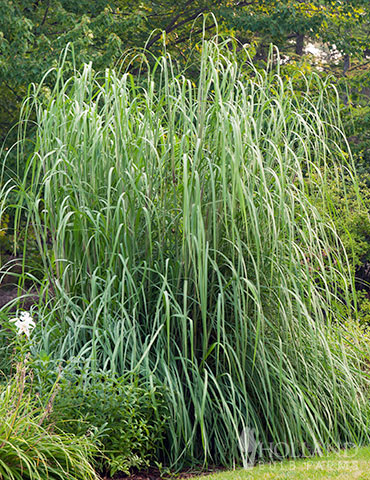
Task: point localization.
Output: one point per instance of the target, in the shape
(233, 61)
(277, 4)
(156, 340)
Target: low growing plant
(127, 420)
(30, 450)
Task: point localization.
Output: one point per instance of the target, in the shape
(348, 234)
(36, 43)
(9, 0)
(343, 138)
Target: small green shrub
(351, 208)
(126, 419)
(356, 115)
(351, 215)
(29, 449)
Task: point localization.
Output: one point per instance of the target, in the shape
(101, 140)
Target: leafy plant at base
(30, 450)
(181, 243)
(126, 420)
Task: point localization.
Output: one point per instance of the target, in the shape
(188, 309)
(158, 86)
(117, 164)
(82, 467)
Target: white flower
(24, 324)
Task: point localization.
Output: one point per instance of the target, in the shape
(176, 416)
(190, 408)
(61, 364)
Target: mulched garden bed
(155, 474)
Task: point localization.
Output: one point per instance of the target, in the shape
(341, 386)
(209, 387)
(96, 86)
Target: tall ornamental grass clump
(180, 243)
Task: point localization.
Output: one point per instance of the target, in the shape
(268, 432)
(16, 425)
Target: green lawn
(345, 465)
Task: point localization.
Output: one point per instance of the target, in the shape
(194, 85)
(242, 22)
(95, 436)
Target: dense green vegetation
(29, 449)
(187, 218)
(181, 246)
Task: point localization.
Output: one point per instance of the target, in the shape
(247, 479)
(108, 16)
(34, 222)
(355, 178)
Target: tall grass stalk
(180, 241)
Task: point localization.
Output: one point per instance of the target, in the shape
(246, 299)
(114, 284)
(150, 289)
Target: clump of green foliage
(350, 211)
(125, 419)
(350, 208)
(30, 450)
(181, 241)
(355, 95)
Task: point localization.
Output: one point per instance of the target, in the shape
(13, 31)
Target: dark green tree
(288, 23)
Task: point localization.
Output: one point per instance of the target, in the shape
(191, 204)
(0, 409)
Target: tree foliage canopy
(34, 33)
(277, 21)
